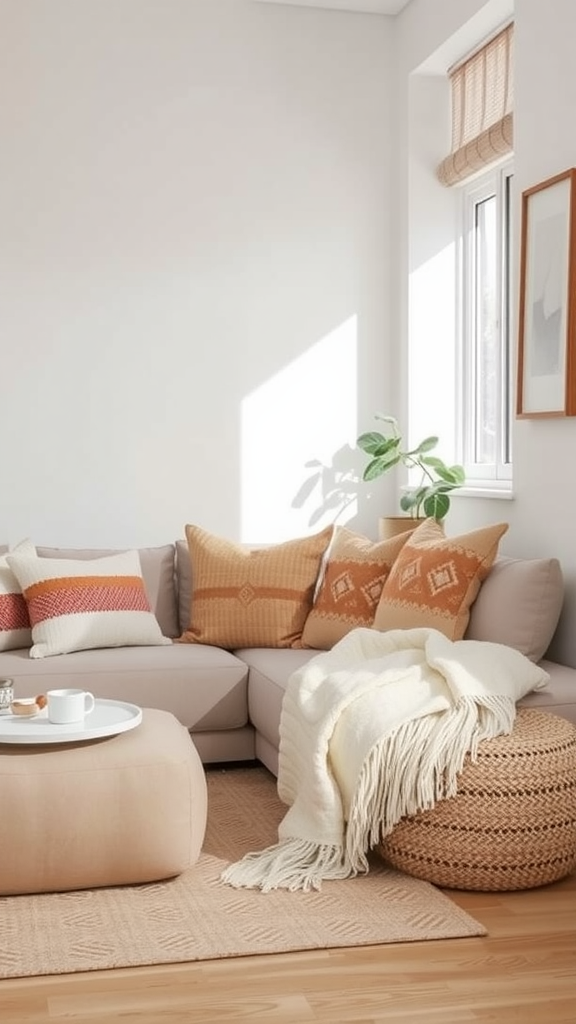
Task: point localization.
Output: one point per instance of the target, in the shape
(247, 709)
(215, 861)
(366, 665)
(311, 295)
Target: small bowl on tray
(26, 707)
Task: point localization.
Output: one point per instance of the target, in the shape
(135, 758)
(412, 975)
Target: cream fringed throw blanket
(375, 729)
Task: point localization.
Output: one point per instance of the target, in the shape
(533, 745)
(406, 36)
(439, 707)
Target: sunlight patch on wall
(298, 433)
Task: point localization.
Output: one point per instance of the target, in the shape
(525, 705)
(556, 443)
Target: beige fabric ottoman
(126, 809)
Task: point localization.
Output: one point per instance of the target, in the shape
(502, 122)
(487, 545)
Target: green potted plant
(428, 498)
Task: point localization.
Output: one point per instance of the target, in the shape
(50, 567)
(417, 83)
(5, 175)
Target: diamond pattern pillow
(244, 597)
(435, 579)
(14, 621)
(355, 573)
(80, 605)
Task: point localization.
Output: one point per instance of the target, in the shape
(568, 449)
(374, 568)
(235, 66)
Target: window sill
(503, 491)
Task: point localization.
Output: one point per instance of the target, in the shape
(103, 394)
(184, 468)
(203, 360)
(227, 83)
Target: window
(485, 393)
(480, 165)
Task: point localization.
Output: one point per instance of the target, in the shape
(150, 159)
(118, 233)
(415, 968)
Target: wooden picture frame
(547, 315)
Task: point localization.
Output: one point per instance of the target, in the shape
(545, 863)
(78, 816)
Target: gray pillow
(519, 605)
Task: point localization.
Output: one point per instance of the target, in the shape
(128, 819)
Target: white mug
(68, 706)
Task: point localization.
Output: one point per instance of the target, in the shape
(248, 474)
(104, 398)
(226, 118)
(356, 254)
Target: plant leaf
(437, 505)
(391, 420)
(447, 473)
(408, 501)
(425, 446)
(371, 441)
(459, 474)
(433, 461)
(378, 466)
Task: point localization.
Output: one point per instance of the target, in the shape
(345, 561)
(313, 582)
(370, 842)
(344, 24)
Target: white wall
(204, 262)
(194, 265)
(541, 513)
(545, 450)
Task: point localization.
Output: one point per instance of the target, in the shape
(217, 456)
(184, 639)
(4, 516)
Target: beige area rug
(197, 917)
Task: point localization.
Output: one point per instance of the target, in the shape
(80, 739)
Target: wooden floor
(523, 971)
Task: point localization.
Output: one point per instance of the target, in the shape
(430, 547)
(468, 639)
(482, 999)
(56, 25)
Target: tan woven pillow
(436, 578)
(251, 598)
(356, 571)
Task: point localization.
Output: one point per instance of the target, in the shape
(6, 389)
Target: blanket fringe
(416, 766)
(407, 771)
(292, 864)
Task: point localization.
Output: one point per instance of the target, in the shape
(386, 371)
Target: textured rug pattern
(196, 917)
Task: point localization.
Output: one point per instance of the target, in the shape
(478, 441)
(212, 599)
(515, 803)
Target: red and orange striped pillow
(14, 620)
(79, 605)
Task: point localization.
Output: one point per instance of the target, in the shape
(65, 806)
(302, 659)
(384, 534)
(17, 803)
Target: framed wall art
(547, 313)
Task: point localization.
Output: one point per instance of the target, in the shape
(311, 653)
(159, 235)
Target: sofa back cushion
(157, 565)
(519, 604)
(246, 597)
(183, 584)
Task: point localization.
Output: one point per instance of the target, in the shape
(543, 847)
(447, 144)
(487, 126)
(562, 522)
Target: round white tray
(108, 718)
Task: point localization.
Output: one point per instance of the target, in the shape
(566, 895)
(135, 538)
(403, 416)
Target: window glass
(485, 343)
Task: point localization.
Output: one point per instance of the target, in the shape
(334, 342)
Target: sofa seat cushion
(204, 687)
(270, 671)
(559, 695)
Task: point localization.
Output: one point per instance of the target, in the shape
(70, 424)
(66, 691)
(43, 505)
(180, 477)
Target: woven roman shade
(482, 102)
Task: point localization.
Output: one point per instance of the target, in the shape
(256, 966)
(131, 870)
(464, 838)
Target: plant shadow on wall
(334, 486)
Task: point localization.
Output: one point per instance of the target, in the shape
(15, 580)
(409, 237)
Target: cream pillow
(244, 597)
(435, 579)
(14, 620)
(80, 605)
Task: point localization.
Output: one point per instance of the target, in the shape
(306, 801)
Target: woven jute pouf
(512, 824)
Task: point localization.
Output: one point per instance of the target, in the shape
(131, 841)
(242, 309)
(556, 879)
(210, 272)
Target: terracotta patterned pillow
(243, 597)
(435, 579)
(355, 573)
(15, 629)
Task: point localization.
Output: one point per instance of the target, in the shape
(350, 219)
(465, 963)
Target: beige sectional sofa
(231, 700)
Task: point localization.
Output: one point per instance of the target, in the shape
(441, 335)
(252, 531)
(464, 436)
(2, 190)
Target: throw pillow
(355, 573)
(519, 605)
(14, 621)
(80, 605)
(435, 579)
(157, 565)
(244, 597)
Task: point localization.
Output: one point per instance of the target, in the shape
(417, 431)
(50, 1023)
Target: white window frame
(493, 477)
